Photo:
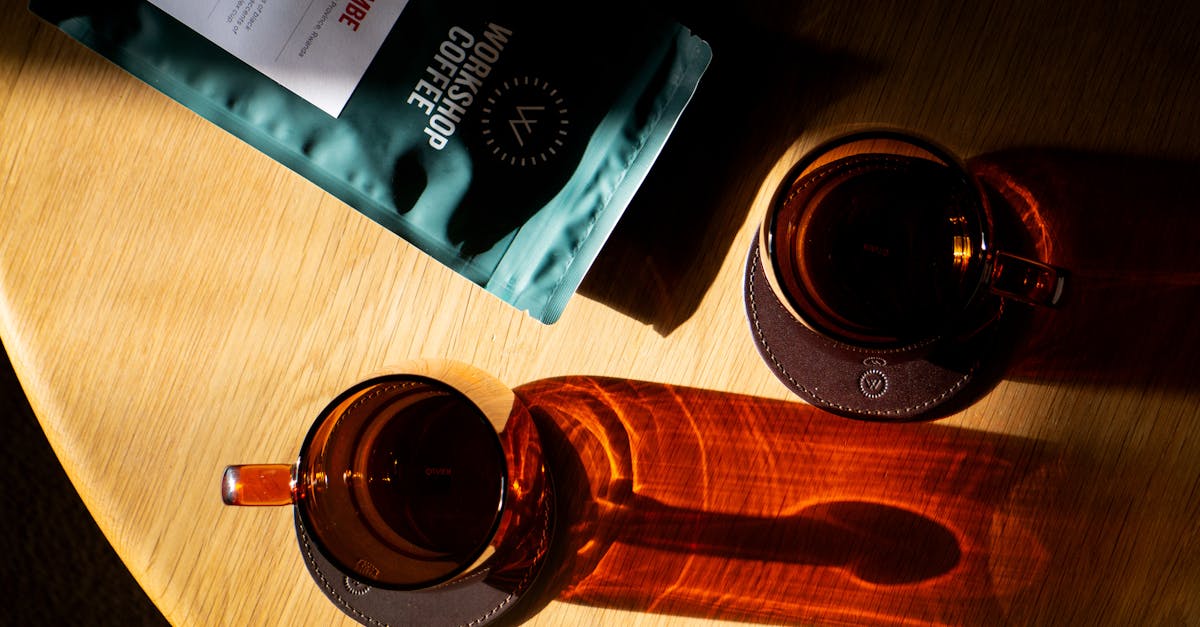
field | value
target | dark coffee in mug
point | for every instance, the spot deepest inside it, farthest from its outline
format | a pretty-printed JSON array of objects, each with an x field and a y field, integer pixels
[
  {"x": 416, "y": 478},
  {"x": 878, "y": 248},
  {"x": 435, "y": 473},
  {"x": 421, "y": 468}
]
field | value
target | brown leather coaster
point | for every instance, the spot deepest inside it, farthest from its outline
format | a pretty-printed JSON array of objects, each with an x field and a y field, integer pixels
[
  {"x": 887, "y": 385},
  {"x": 479, "y": 599}
]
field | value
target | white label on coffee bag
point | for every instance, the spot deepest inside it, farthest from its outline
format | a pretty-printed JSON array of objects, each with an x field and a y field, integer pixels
[{"x": 318, "y": 49}]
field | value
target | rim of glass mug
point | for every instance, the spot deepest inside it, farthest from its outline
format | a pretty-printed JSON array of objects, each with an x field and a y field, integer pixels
[
  {"x": 287, "y": 484},
  {"x": 1006, "y": 275},
  {"x": 476, "y": 556}
]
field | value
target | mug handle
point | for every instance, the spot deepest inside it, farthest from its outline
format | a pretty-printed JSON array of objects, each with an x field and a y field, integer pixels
[
  {"x": 258, "y": 484},
  {"x": 1026, "y": 280}
]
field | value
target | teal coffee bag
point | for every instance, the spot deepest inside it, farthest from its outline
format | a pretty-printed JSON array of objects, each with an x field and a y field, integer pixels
[{"x": 504, "y": 139}]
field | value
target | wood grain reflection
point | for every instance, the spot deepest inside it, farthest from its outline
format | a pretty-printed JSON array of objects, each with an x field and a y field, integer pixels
[{"x": 698, "y": 503}]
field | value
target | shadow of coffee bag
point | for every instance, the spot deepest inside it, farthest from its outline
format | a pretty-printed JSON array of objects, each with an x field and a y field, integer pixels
[{"x": 503, "y": 139}]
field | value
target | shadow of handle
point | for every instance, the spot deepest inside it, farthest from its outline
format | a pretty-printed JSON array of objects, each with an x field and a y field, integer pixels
[{"x": 876, "y": 543}]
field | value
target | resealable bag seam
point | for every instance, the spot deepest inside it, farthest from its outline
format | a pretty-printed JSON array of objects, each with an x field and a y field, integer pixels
[{"x": 537, "y": 262}]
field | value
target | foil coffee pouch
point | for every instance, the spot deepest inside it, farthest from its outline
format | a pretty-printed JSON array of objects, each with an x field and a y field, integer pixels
[{"x": 504, "y": 139}]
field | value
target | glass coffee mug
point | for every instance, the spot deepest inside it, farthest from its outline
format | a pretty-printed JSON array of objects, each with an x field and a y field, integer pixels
[
  {"x": 412, "y": 479},
  {"x": 881, "y": 241}
]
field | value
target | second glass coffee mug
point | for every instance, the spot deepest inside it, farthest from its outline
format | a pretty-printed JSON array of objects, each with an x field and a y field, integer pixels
[
  {"x": 879, "y": 240},
  {"x": 412, "y": 479}
]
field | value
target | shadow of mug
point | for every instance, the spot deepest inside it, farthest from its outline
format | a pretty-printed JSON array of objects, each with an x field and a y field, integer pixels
[
  {"x": 1125, "y": 229},
  {"x": 697, "y": 503}
]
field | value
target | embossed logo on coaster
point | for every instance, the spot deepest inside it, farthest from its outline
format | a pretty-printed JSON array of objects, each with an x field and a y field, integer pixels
[
  {"x": 874, "y": 383},
  {"x": 355, "y": 587}
]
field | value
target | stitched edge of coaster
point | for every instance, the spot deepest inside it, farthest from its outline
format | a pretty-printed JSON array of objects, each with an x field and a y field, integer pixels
[
  {"x": 780, "y": 368},
  {"x": 508, "y": 600}
]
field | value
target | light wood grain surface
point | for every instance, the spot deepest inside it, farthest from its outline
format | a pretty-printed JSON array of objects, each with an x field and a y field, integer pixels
[{"x": 173, "y": 301}]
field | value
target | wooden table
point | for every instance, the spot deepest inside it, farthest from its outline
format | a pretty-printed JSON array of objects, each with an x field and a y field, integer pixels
[{"x": 173, "y": 302}]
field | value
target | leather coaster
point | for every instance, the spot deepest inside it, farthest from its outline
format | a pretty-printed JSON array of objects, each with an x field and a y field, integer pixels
[
  {"x": 885, "y": 385},
  {"x": 478, "y": 599}
]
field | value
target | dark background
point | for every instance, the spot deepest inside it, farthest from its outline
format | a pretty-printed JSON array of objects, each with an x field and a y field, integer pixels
[{"x": 58, "y": 567}]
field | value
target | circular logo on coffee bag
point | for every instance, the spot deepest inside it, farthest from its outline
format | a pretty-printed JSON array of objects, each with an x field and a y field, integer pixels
[{"x": 525, "y": 121}]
